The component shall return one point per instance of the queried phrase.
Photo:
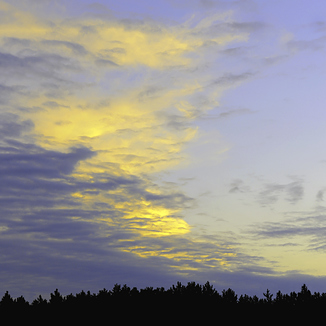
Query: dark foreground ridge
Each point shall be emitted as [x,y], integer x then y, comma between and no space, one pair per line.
[179,303]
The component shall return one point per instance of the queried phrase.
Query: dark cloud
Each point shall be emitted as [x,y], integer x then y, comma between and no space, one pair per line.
[47,232]
[32,177]
[11,127]
[40,162]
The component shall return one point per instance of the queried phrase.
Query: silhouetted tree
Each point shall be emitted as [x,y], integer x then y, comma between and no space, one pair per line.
[179,300]
[208,290]
[21,303]
[229,296]
[178,290]
[6,301]
[268,296]
[56,298]
[305,295]
[103,296]
[245,300]
[39,301]
[116,289]
[134,292]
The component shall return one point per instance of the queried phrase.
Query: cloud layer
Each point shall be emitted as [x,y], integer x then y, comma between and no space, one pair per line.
[93,109]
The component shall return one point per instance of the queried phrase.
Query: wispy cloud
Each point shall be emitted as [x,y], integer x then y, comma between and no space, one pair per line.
[306,231]
[292,192]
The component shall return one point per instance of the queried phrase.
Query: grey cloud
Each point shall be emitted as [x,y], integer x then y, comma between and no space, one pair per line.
[312,228]
[41,163]
[10,127]
[281,230]
[232,28]
[149,92]
[174,200]
[119,50]
[72,266]
[16,42]
[292,192]
[229,79]
[246,26]
[76,48]
[235,112]
[275,59]
[7,93]
[106,62]
[238,186]
[320,195]
[295,191]
[55,224]
[39,63]
[54,105]
[63,122]
[235,51]
[33,177]
[9,60]
[317,44]
[32,74]
[99,7]
[88,30]
[320,26]
[43,177]
[207,3]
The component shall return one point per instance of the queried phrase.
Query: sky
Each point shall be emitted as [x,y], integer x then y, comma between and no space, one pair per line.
[150,142]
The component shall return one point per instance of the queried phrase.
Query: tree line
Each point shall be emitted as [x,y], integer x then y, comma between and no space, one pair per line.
[193,298]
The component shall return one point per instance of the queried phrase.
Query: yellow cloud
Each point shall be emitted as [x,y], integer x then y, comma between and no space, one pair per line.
[198,253]
[20,24]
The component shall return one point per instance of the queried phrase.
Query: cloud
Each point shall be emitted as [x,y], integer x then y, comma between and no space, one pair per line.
[75,48]
[94,112]
[238,186]
[317,44]
[320,195]
[11,127]
[230,79]
[292,192]
[308,231]
[235,112]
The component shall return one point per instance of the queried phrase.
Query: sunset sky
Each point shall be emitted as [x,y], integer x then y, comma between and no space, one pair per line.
[149,142]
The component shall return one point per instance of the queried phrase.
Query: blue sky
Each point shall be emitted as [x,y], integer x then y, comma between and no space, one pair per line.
[149,143]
